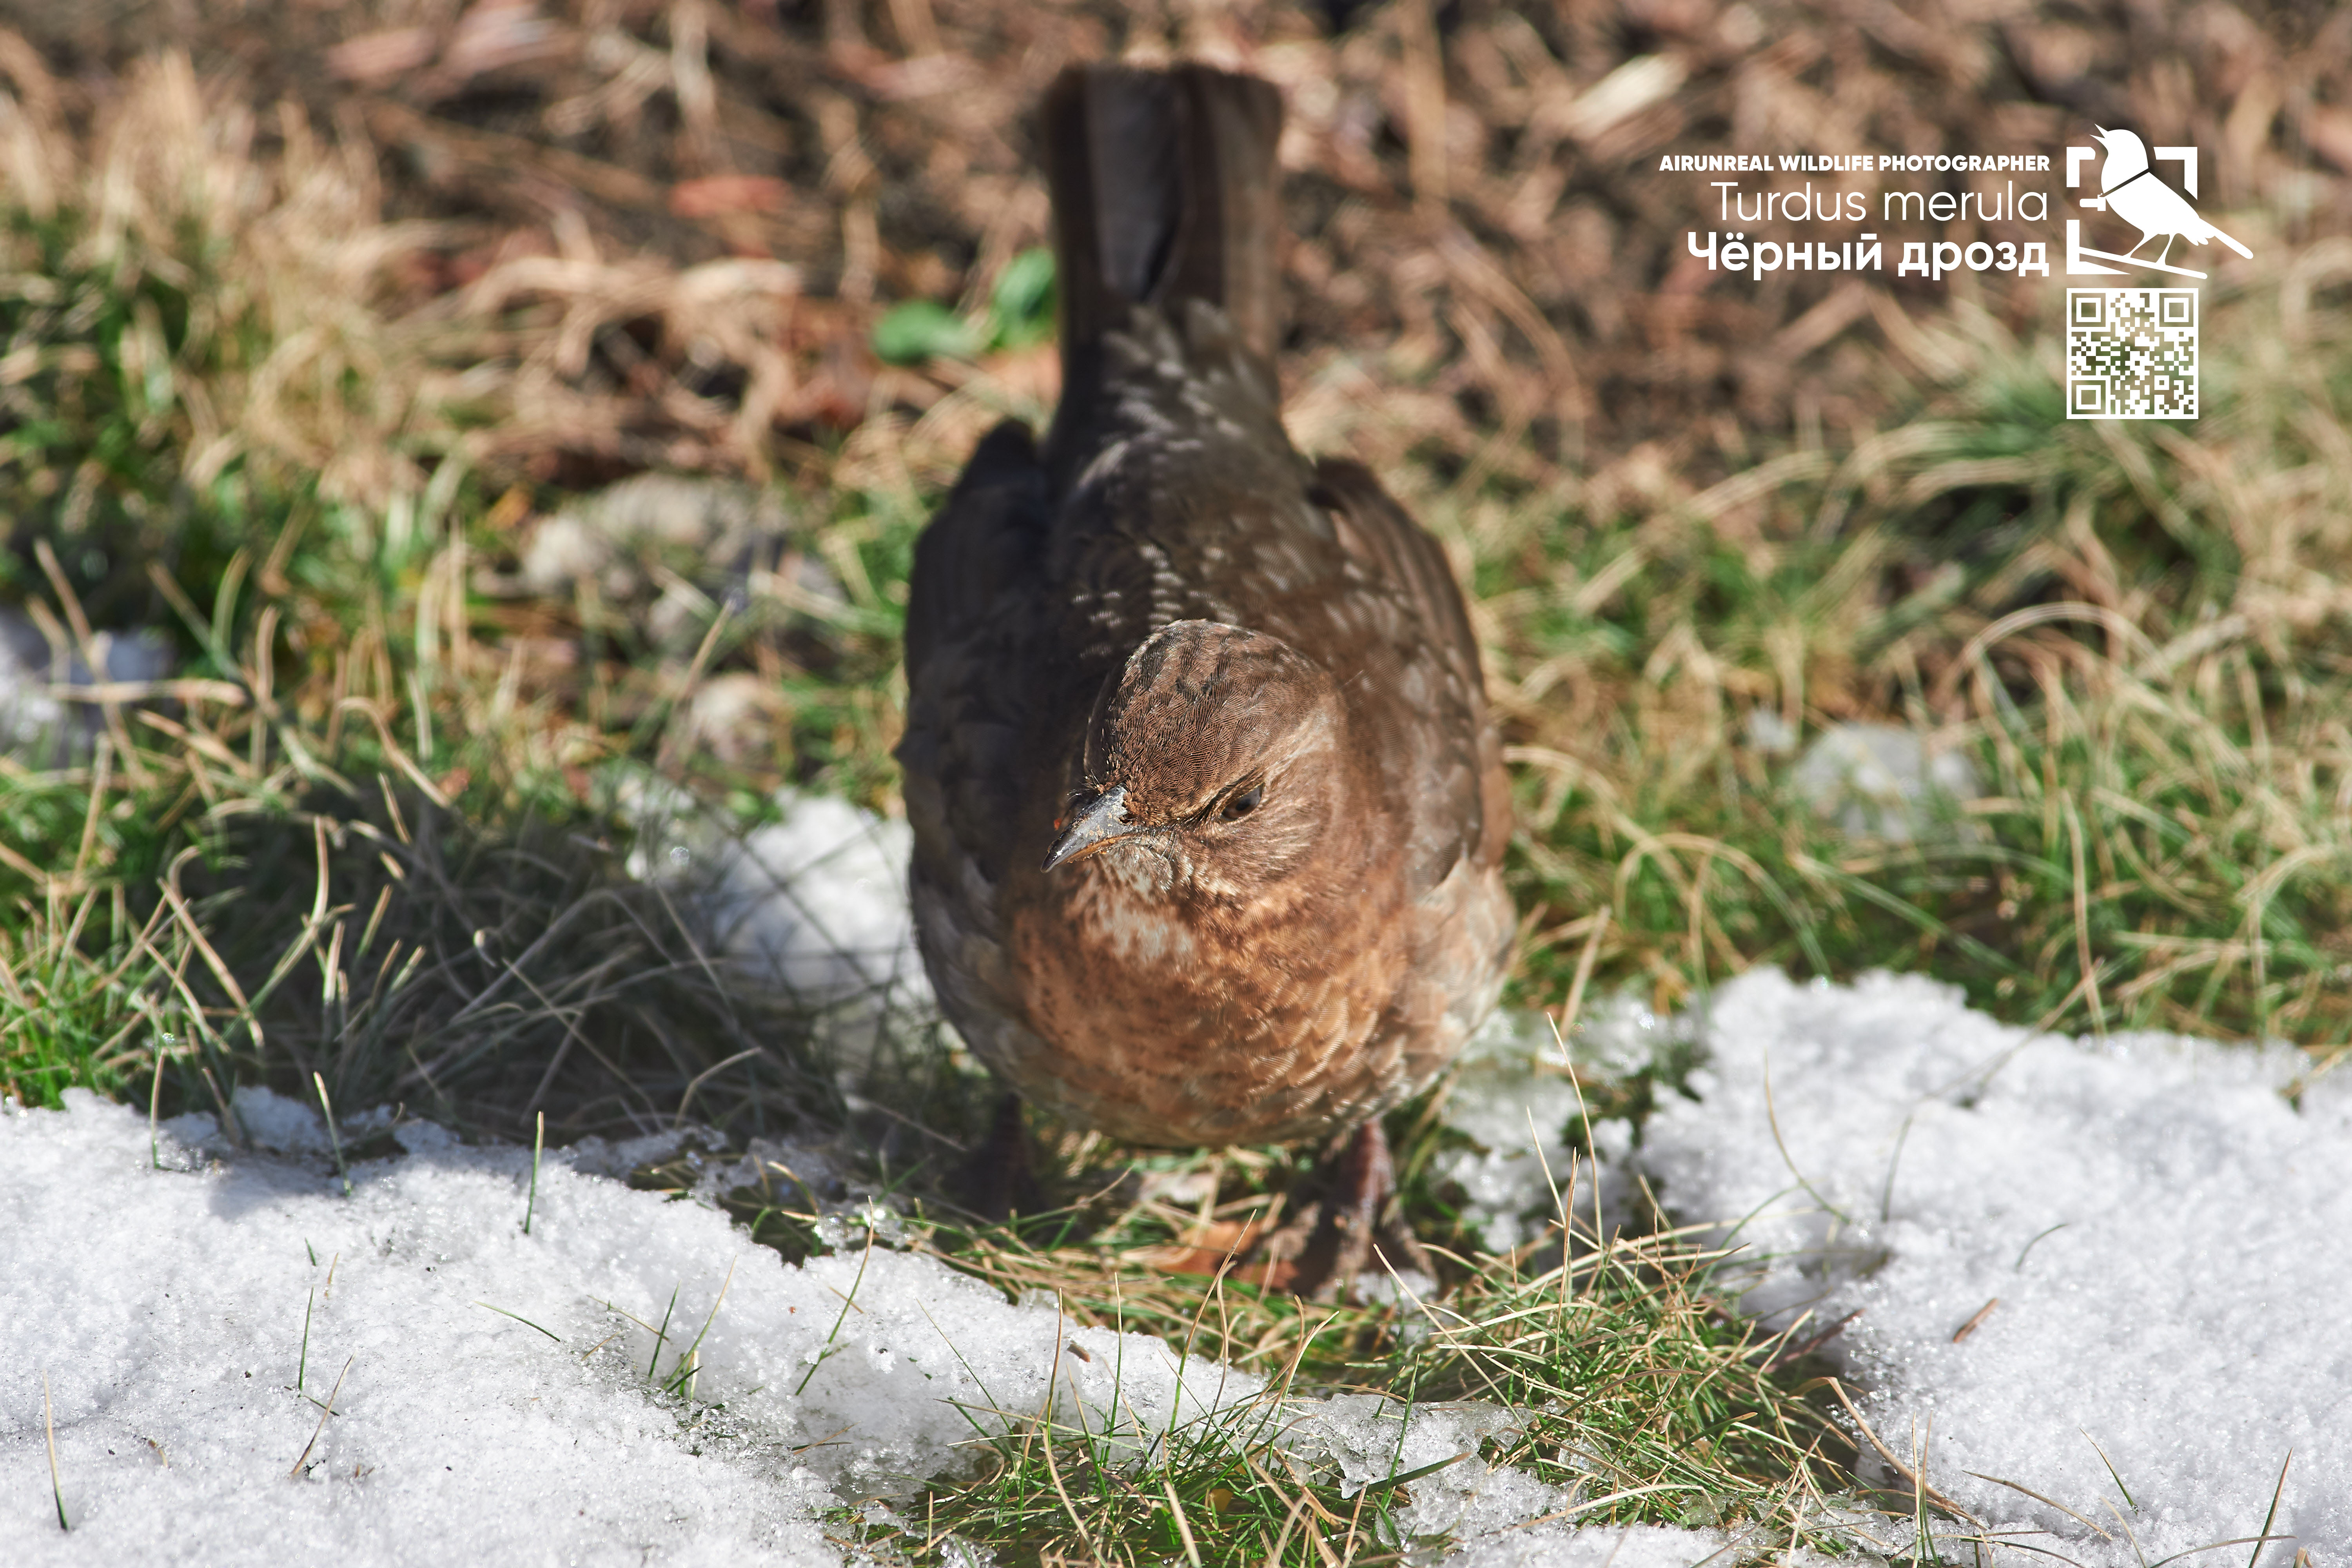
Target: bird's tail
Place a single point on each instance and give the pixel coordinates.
(2232, 244)
(1165, 190)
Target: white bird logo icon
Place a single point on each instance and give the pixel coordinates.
(2131, 189)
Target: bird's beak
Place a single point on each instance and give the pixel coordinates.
(1092, 822)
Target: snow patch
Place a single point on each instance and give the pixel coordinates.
(2161, 1228)
(195, 1311)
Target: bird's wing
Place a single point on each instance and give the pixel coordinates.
(984, 543)
(1399, 551)
(1462, 796)
(968, 691)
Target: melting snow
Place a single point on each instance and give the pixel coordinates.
(491, 1390)
(2159, 1234)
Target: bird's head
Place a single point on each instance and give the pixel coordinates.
(1213, 763)
(2127, 153)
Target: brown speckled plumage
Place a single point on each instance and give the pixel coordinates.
(1235, 694)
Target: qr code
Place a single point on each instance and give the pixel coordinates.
(2131, 353)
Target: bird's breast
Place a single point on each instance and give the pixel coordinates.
(1166, 1019)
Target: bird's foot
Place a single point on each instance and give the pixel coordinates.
(997, 1180)
(1352, 1229)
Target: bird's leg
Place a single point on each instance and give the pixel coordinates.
(2135, 249)
(997, 1181)
(1352, 1218)
(2168, 248)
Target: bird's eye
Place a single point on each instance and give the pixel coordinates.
(1239, 805)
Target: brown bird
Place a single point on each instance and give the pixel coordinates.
(1209, 812)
